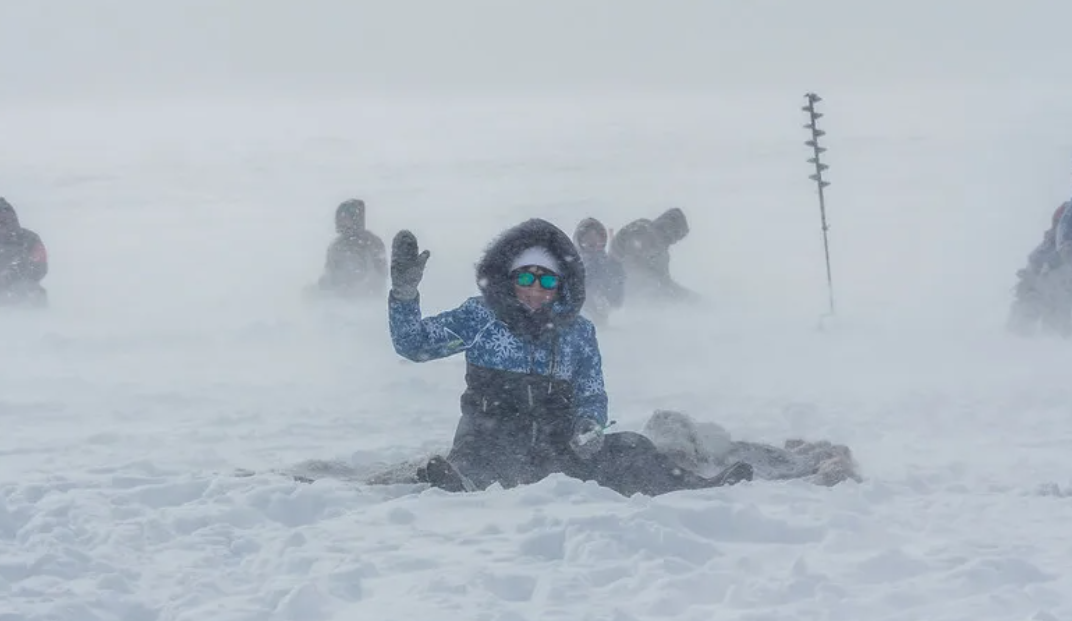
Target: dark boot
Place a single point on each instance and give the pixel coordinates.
(732, 475)
(442, 474)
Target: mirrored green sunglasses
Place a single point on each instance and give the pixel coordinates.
(547, 281)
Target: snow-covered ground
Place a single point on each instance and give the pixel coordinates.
(181, 230)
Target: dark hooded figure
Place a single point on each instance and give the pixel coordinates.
(23, 261)
(356, 265)
(604, 276)
(1042, 292)
(643, 247)
(534, 402)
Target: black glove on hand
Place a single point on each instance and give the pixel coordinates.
(407, 267)
(587, 439)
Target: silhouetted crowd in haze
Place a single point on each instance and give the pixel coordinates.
(633, 265)
(355, 268)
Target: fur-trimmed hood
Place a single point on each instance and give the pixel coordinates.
(493, 271)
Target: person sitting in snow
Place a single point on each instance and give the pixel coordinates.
(703, 447)
(23, 261)
(643, 247)
(604, 275)
(356, 265)
(1042, 292)
(534, 402)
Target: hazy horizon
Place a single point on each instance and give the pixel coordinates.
(121, 48)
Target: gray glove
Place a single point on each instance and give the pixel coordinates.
(407, 266)
(587, 439)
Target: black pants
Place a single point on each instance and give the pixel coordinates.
(513, 452)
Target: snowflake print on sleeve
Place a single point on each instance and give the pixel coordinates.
(431, 338)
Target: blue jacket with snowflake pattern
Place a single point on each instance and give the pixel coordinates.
(504, 341)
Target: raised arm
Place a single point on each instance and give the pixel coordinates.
(430, 338)
(420, 339)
